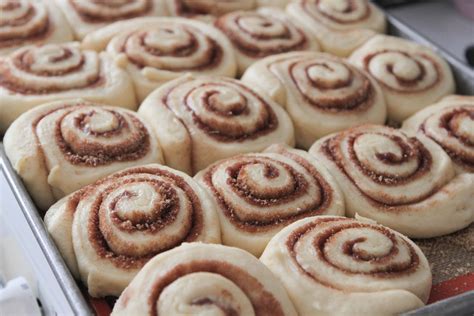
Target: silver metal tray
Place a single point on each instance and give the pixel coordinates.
(58, 291)
(71, 297)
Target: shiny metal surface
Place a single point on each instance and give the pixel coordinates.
(58, 289)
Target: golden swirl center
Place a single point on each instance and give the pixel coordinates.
(100, 121)
(266, 181)
(462, 125)
(363, 249)
(227, 102)
(385, 155)
(403, 71)
(140, 202)
(329, 74)
(227, 109)
(167, 40)
(52, 59)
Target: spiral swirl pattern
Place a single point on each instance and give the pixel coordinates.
(340, 26)
(398, 180)
(201, 120)
(412, 76)
(109, 230)
(319, 87)
(257, 34)
(337, 265)
(157, 50)
(450, 123)
(204, 279)
(86, 16)
(76, 138)
(39, 74)
(50, 69)
(207, 10)
(25, 22)
(259, 194)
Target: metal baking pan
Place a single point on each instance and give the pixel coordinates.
(72, 295)
(58, 291)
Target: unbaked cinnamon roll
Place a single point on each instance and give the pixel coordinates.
(86, 16)
(259, 194)
(334, 265)
(397, 180)
(35, 75)
(109, 230)
(199, 120)
(450, 123)
(412, 76)
(25, 22)
(340, 26)
(204, 279)
(322, 93)
(59, 147)
(261, 33)
(157, 50)
(207, 10)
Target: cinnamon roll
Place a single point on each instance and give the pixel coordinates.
(157, 50)
(35, 75)
(59, 147)
(450, 123)
(334, 265)
(397, 180)
(340, 26)
(259, 194)
(322, 93)
(412, 76)
(204, 279)
(25, 22)
(207, 10)
(86, 16)
(261, 33)
(201, 120)
(109, 230)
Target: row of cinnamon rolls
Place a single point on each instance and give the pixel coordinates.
(52, 21)
(113, 207)
(286, 203)
(150, 234)
(123, 62)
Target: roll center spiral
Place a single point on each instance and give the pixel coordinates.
(167, 40)
(141, 203)
(329, 75)
(99, 122)
(226, 102)
(462, 125)
(51, 59)
(265, 181)
(386, 156)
